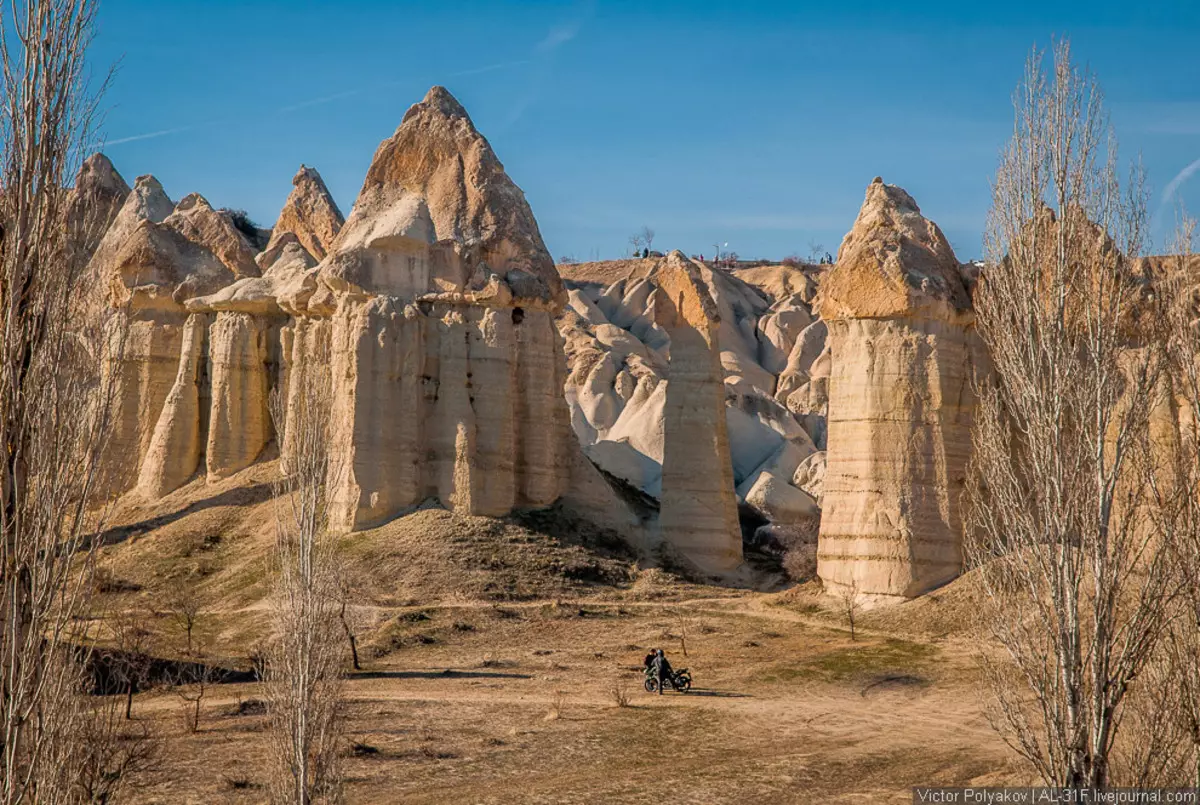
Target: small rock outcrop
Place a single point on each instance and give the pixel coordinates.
(901, 353)
(97, 197)
(310, 216)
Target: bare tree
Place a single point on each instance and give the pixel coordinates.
(1176, 478)
(350, 624)
(54, 404)
(647, 236)
(186, 609)
(637, 242)
(114, 756)
(816, 252)
(850, 603)
(303, 681)
(1077, 588)
(190, 679)
(131, 660)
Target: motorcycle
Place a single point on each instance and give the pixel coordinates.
(680, 680)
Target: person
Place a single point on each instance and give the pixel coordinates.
(649, 660)
(662, 669)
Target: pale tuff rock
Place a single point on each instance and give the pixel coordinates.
(97, 197)
(782, 281)
(145, 363)
(892, 263)
(195, 219)
(176, 447)
(810, 476)
(437, 215)
(310, 216)
(806, 349)
(778, 330)
(285, 287)
(148, 269)
(239, 425)
(619, 376)
(430, 313)
(146, 202)
(445, 360)
(900, 359)
(698, 508)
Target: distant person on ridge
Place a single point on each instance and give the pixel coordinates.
(662, 669)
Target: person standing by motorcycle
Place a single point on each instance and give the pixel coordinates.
(662, 669)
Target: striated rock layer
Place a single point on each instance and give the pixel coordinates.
(902, 352)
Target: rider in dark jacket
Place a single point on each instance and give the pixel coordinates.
(662, 669)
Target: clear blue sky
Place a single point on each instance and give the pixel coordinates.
(753, 123)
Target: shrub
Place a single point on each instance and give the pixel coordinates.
(242, 223)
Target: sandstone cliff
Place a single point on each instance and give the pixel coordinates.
(901, 354)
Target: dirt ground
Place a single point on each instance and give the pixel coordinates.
(513, 673)
(517, 704)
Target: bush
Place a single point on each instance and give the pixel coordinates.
(242, 223)
(619, 695)
(800, 562)
(796, 545)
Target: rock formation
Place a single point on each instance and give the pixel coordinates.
(901, 356)
(309, 214)
(619, 388)
(448, 339)
(430, 311)
(443, 345)
(699, 511)
(97, 197)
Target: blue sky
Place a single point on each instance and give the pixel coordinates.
(754, 123)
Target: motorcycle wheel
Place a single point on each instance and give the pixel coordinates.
(683, 684)
(651, 685)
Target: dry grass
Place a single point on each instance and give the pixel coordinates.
(557, 705)
(619, 694)
(475, 674)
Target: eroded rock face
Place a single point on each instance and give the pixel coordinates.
(619, 385)
(97, 197)
(901, 353)
(148, 269)
(176, 446)
(429, 313)
(438, 215)
(195, 219)
(699, 510)
(310, 216)
(444, 355)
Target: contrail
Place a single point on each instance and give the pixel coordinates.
(489, 68)
(149, 135)
(1179, 179)
(321, 100)
(318, 101)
